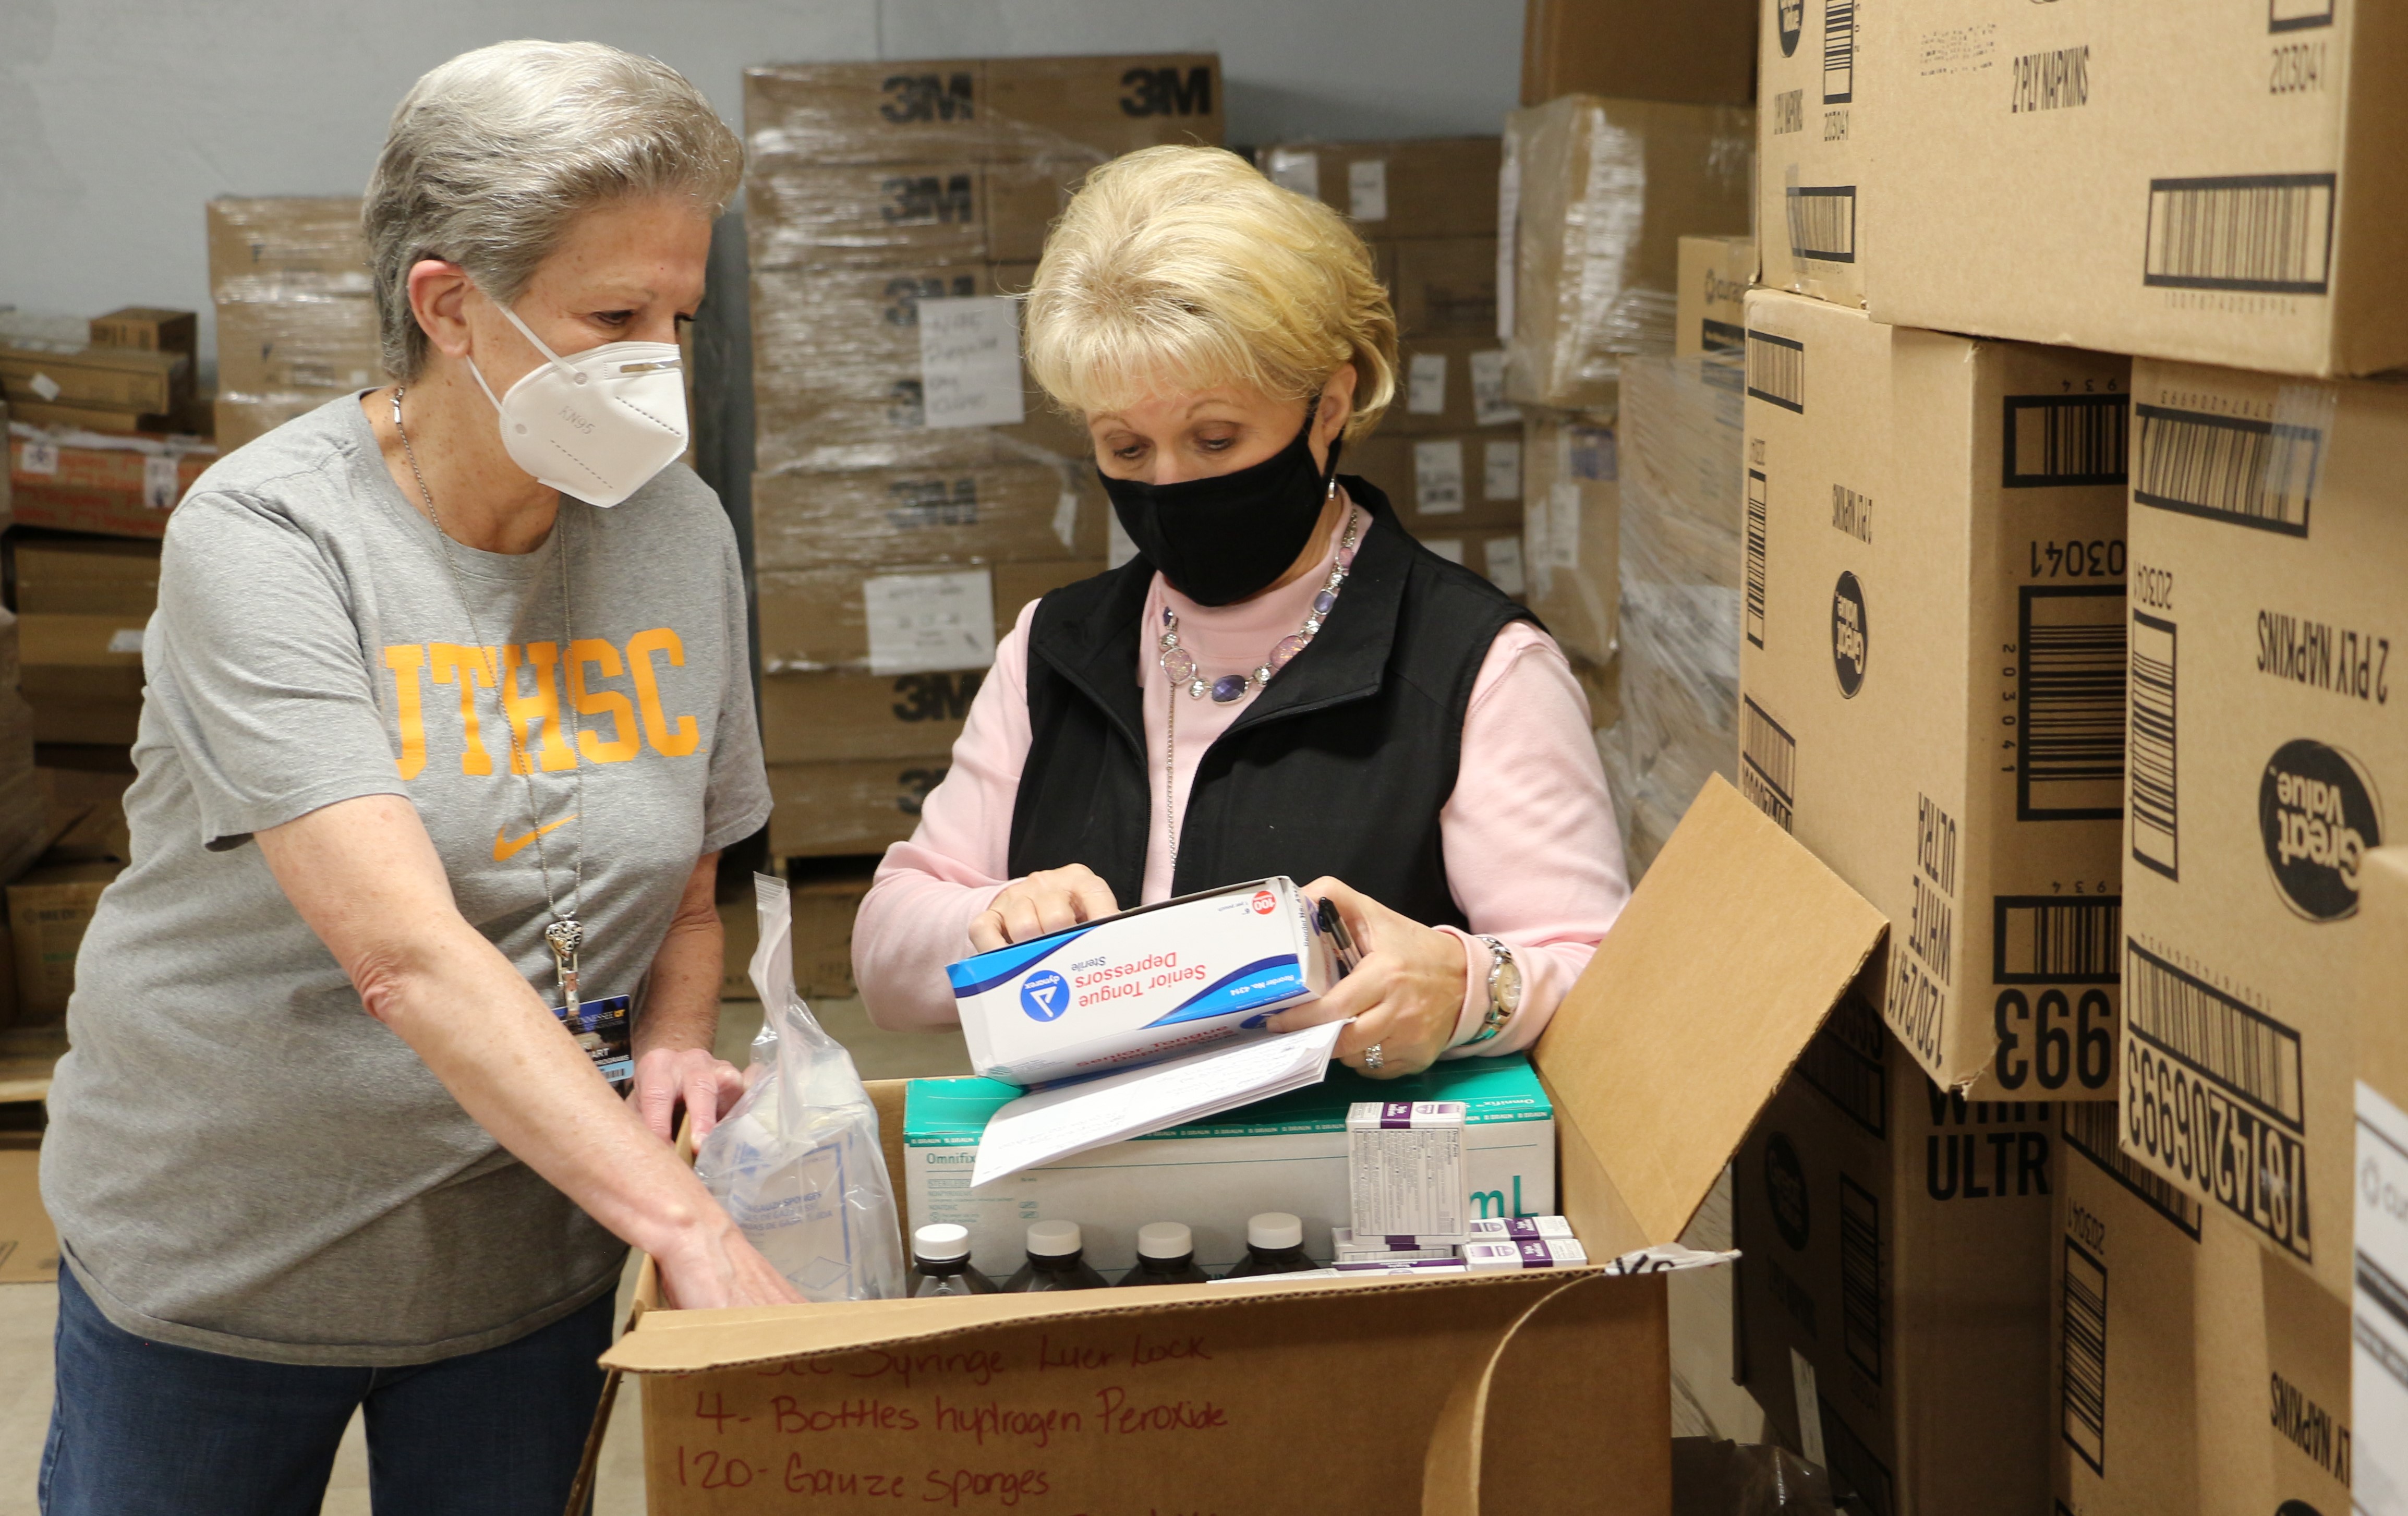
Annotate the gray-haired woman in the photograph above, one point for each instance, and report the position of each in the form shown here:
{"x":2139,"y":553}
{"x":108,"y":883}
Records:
{"x":343,"y":1126}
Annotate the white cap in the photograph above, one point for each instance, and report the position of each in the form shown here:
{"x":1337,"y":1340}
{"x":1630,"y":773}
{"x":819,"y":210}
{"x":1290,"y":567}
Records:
{"x":1054,"y":1240}
{"x":1274,"y":1230}
{"x":941,"y":1242}
{"x":1164,"y":1240}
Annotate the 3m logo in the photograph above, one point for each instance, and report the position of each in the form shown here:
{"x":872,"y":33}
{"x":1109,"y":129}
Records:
{"x":915,"y":504}
{"x":1166,"y":92}
{"x":937,"y":697}
{"x":1045,"y":996}
{"x":929,"y":200}
{"x":1265,"y":902}
{"x":928,"y":97}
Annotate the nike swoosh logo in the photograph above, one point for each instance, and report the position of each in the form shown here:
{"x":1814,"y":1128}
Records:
{"x":508,"y":848}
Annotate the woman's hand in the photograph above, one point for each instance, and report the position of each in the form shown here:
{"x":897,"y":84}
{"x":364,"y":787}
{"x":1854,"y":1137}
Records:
{"x":665,"y":1076}
{"x":713,"y":1265}
{"x":1046,"y":901}
{"x":1406,"y":994}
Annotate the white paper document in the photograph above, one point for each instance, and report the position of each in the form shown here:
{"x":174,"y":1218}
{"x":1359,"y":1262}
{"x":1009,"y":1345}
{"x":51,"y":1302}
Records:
{"x":920,"y":623}
{"x":970,"y":361}
{"x":1069,"y":1119}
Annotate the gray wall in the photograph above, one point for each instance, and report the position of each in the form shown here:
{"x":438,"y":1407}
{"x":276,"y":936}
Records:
{"x":120,"y":118}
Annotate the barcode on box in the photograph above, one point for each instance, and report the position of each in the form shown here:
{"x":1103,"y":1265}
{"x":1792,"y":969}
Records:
{"x":2247,"y":1053}
{"x":2089,"y":1128}
{"x":1844,"y":1061}
{"x":2227,"y":468}
{"x":2086,"y":1355}
{"x":1776,"y":370}
{"x":2055,"y":441}
{"x":1758,"y":518}
{"x":1860,"y":1293}
{"x":1839,"y":51}
{"x":2153,"y":796}
{"x":2071,"y":702}
{"x":2270,"y":234}
{"x":2049,"y":939}
{"x":1768,"y":762}
{"x":1823,"y":223}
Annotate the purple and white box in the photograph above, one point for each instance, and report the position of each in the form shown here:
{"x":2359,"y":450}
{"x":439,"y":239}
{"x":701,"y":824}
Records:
{"x":1520,"y":1228}
{"x":1535,"y":1252}
{"x":1345,"y":1245}
{"x":1406,"y":1169}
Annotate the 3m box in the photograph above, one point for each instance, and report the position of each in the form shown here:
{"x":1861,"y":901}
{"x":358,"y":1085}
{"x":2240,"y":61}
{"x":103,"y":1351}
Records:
{"x":900,"y":620}
{"x":1894,"y":1242}
{"x":849,"y":807}
{"x":1810,"y":147}
{"x":2269,"y":548}
{"x":2222,"y":183}
{"x":1710,"y":312}
{"x":974,"y":514}
{"x":861,"y":718}
{"x":1285,"y":1153}
{"x":1142,"y":984}
{"x":1429,"y":187}
{"x":1931,"y":670}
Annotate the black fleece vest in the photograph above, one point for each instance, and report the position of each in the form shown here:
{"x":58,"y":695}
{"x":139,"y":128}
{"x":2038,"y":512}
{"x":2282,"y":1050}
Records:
{"x":1339,"y":767}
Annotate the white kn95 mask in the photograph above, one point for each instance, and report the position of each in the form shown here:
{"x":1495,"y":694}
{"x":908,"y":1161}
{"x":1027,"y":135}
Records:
{"x":596,"y":425}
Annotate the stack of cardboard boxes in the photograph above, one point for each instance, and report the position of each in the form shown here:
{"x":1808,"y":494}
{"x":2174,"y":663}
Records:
{"x":912,"y":489}
{"x":297,"y":322}
{"x":131,"y":371}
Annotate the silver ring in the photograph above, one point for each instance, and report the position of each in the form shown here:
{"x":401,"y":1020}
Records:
{"x":1373,"y":1058}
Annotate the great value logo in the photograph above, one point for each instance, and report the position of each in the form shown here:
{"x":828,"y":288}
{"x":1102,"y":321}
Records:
{"x":2317,"y":814}
{"x":1045,"y":996}
{"x":1849,"y":634}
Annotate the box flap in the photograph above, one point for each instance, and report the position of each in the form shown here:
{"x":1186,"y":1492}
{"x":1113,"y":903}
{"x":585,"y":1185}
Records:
{"x":1725,"y":960}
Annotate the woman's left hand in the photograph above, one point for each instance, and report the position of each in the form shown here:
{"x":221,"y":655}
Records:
{"x":1406,"y":994}
{"x":665,"y":1076}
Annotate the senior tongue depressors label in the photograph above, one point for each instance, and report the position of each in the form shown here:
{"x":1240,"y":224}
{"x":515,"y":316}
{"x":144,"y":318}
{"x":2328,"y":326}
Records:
{"x":1163,"y":978}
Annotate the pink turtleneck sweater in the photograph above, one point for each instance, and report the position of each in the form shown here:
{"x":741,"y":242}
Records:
{"x":1532,"y":853}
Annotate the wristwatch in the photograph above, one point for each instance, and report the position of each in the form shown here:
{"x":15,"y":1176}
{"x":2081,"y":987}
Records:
{"x":1504,"y":991}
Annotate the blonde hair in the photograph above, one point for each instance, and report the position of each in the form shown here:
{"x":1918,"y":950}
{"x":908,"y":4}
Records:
{"x":1185,"y":264}
{"x":492,"y":155}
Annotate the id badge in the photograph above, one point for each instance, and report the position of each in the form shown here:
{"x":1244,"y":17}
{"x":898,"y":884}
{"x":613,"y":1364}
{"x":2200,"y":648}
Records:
{"x":606,"y":1029}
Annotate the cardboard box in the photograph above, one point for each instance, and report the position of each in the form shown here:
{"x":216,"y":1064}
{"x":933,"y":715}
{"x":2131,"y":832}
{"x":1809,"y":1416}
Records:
{"x":1443,"y":484}
{"x":2223,"y":186}
{"x":48,"y":911}
{"x":281,"y":247}
{"x":1431,"y":187}
{"x":1286,"y":1153}
{"x":967,"y":514}
{"x":65,"y":575}
{"x":321,"y":345}
{"x":123,"y":489}
{"x":842,"y":807}
{"x":243,"y":419}
{"x":82,"y":675}
{"x":1601,"y":191}
{"x":1812,"y":152}
{"x":29,"y":1245}
{"x":117,"y":378}
{"x":1711,"y":308}
{"x":2379,"y":1229}
{"x":2268,"y":548}
{"x":898,"y":620}
{"x":1931,"y":675}
{"x":1726,"y":956}
{"x":1494,"y":553}
{"x":1628,"y":49}
{"x":1893,"y":1277}
{"x":947,"y":210}
{"x":147,"y":329}
{"x":827,"y":718}
{"x":1572,"y":531}
{"x":97,"y":418}
{"x":1450,"y":384}
{"x":1443,"y":286}
{"x":981,"y":109}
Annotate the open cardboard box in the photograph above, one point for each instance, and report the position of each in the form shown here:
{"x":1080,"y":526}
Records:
{"x":1527,"y":1392}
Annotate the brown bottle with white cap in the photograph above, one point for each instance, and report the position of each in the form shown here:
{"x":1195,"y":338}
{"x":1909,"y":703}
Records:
{"x":1274,"y":1245}
{"x":1165,"y":1255}
{"x":1055,"y":1261}
{"x":940,"y":1263}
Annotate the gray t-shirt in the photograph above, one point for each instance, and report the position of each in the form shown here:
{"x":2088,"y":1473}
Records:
{"x":241,"y":1159}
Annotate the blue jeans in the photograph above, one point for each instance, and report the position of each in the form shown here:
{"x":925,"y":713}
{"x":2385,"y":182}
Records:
{"x":141,"y":1427}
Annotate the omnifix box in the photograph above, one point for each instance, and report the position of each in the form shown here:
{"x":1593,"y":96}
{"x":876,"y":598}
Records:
{"x":1162,"y":979}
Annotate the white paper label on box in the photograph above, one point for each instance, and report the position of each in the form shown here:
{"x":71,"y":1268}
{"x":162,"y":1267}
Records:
{"x":1448,"y":548}
{"x":126,"y":639}
{"x":921,"y":623}
{"x":1500,"y":473}
{"x":1505,"y":563}
{"x":1366,"y":190}
{"x":1810,"y":1408}
{"x":1438,"y":478}
{"x":45,"y":386}
{"x":1489,"y":406}
{"x":1563,"y":538}
{"x":2379,"y":1335}
{"x":41,"y":454}
{"x":970,"y":361}
{"x":1426,"y":386}
{"x":1066,"y":521}
{"x":159,"y":481}
{"x":1509,"y":205}
{"x":1118,"y":548}
{"x":1297,"y":171}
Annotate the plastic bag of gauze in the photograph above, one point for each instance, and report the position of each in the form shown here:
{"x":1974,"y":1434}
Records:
{"x":798,"y":1163}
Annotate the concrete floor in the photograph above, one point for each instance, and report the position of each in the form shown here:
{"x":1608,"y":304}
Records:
{"x":27,"y":1312}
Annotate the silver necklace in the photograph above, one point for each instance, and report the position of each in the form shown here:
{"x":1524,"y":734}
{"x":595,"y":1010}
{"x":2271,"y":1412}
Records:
{"x":1177,"y":663}
{"x":565,"y":935}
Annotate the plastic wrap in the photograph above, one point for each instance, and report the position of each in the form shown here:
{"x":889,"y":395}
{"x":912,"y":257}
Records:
{"x":1429,"y":187}
{"x":1600,"y":192}
{"x":970,"y":514}
{"x":295,"y":306}
{"x":981,"y":110}
{"x":304,"y":343}
{"x":1571,"y":507}
{"x":1681,"y":509}
{"x":905,"y":619}
{"x":798,"y":1163}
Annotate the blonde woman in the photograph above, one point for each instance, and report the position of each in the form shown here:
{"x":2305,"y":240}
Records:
{"x":1282,"y":681}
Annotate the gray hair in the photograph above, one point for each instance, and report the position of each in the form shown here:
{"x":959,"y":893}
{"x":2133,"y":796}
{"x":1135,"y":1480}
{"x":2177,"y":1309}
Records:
{"x":492,"y":155}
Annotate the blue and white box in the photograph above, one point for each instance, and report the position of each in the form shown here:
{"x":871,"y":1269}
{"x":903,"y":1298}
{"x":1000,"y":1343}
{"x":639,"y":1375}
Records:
{"x":1147,"y":983}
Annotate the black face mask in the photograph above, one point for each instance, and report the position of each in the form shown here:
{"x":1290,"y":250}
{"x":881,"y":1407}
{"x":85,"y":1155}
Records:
{"x":1222,"y":539}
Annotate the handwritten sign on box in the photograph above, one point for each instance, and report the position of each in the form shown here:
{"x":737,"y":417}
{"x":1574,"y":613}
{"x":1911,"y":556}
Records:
{"x":970,"y":361}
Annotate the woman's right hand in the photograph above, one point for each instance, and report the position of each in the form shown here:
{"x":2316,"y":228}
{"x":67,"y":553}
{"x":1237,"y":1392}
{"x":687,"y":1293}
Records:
{"x":713,"y":1265}
{"x":1049,"y":900}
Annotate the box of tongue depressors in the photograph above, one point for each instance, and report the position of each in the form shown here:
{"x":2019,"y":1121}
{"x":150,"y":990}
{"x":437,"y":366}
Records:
{"x":1146,"y":983}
